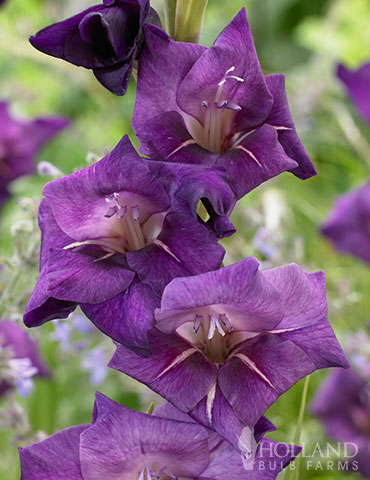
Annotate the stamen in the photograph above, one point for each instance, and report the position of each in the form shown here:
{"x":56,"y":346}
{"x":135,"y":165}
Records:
{"x":169,"y":474}
{"x":225,"y":321}
{"x":205,"y":104}
{"x":121,"y":211}
{"x":233,"y":106}
{"x":197,"y":321}
{"x":110,"y":212}
{"x":135,"y":212}
{"x":213,"y":325}
{"x":145,"y":474}
{"x":222,"y":104}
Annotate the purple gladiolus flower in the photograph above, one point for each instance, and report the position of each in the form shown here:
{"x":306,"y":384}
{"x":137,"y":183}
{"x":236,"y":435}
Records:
{"x":214,"y":106}
{"x":348,"y":226}
{"x":24,"y":358}
{"x":104,"y":38}
{"x":130,"y":445}
{"x":343,"y":404}
{"x":111,"y":241}
{"x":20,"y":141}
{"x":224,"y":334}
{"x":357,"y":84}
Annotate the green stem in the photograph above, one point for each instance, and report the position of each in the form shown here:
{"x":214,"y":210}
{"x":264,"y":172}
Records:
{"x":189,"y":20}
{"x":170,"y":16}
{"x":294,"y":474}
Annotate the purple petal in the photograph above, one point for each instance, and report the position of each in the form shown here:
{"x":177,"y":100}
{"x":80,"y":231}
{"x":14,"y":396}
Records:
{"x":51,"y":40}
{"x":116,"y":78}
{"x":37,"y":132}
{"x":127,"y":317}
{"x":22,"y":346}
{"x":163,"y":64}
{"x":274,"y":365}
{"x":174,"y":369}
{"x":192,"y":250}
{"x":358,"y":87}
{"x":123,"y":441}
{"x":55,"y":458}
{"x":78,"y":200}
{"x":303,"y":294}
{"x":241,"y":289}
{"x":258,"y":158}
{"x":82,"y":277}
{"x":334,"y":400}
{"x":190,"y":184}
{"x":42,"y":307}
{"x":281,"y":118}
{"x":233,"y":48}
{"x":320,"y":344}
{"x":347,"y":226}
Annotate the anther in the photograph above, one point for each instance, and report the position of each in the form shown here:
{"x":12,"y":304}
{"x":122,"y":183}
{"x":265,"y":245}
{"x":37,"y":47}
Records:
{"x":197,"y":321}
{"x":111,"y":211}
{"x":233,"y":106}
{"x":205,"y":104}
{"x":121,"y":211}
{"x":225,"y":321}
{"x":222,"y":104}
{"x":135,"y":212}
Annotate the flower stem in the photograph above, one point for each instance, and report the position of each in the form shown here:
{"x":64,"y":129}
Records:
{"x":170,"y":16}
{"x":189,"y":20}
{"x":294,"y":474}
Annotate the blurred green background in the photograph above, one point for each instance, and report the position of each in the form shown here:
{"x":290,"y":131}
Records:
{"x":303,"y":39}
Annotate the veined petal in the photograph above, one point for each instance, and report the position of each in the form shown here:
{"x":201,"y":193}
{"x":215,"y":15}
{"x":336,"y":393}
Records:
{"x":182,"y":378}
{"x":260,"y":159}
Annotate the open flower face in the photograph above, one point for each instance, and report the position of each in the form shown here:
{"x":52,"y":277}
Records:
{"x":214,"y":106}
{"x":125,"y":445}
{"x":20,"y":141}
{"x":111,"y":242}
{"x":223,"y":334}
{"x":105,"y":38}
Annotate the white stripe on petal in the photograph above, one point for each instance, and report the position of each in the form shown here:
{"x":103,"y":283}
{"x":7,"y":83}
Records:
{"x":183,"y":145}
{"x":181,"y":358}
{"x":250,"y":364}
{"x":249,"y":153}
{"x":210,"y":401}
{"x":162,"y":245}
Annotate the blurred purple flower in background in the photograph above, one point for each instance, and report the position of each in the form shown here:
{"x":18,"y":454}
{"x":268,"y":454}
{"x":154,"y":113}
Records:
{"x":20,"y":141}
{"x":104,"y":38}
{"x":95,"y":363}
{"x":224,"y":334}
{"x":19,"y":359}
{"x":348,"y":226}
{"x":357,"y":83}
{"x":215,"y":106}
{"x":343,"y":405}
{"x":125,"y":444}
